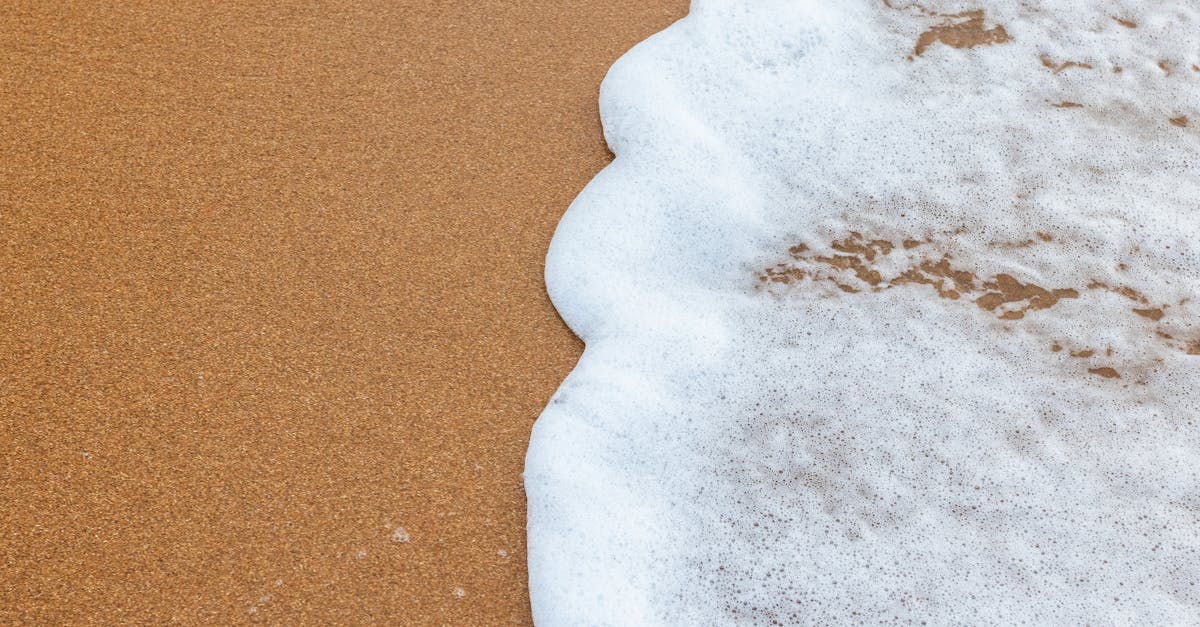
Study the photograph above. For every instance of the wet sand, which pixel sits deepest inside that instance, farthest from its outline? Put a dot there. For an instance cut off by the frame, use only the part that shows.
(272, 288)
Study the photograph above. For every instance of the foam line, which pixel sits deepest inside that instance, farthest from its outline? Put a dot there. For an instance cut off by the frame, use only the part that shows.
(891, 312)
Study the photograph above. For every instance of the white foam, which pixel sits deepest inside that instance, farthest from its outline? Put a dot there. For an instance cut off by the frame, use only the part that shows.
(843, 433)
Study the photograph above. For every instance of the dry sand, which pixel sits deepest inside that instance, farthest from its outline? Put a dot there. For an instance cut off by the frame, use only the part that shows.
(272, 287)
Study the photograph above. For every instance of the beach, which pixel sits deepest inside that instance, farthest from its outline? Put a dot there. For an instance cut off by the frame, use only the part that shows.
(274, 328)
(890, 313)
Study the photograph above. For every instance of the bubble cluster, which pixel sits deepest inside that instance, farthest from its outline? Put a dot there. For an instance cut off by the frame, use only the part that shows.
(892, 313)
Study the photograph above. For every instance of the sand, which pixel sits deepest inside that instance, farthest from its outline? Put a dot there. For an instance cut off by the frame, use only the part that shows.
(273, 330)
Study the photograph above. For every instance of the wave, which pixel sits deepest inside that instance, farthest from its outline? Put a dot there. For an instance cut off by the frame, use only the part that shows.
(891, 315)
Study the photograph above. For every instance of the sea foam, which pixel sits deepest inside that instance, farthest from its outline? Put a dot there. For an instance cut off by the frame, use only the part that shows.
(891, 316)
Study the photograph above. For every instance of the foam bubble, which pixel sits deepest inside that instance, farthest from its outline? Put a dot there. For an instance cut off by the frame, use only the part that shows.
(891, 315)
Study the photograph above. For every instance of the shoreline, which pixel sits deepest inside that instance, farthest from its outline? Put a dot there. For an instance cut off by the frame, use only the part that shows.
(279, 331)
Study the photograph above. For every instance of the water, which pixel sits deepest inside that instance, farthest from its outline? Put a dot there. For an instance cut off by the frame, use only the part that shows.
(891, 316)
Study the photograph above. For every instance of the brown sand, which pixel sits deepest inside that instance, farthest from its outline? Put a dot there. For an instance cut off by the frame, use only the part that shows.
(271, 286)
